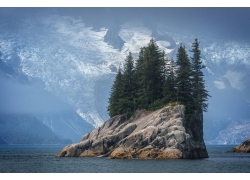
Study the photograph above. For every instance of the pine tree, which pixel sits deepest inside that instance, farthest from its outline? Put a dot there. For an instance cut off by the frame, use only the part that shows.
(154, 82)
(127, 99)
(115, 95)
(200, 94)
(122, 94)
(183, 79)
(128, 75)
(140, 80)
(183, 82)
(149, 75)
(169, 92)
(156, 69)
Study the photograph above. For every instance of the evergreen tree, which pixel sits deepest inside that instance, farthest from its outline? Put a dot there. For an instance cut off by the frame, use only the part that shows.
(200, 94)
(128, 75)
(183, 79)
(169, 92)
(154, 82)
(140, 80)
(156, 69)
(158, 100)
(115, 95)
(149, 75)
(183, 82)
(126, 102)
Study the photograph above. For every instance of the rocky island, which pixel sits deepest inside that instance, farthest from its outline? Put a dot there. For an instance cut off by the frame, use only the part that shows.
(244, 147)
(171, 124)
(160, 134)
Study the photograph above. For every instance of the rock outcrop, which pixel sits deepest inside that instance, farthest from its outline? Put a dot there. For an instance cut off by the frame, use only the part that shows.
(160, 134)
(243, 147)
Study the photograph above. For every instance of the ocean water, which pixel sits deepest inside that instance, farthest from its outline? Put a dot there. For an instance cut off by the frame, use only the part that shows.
(41, 159)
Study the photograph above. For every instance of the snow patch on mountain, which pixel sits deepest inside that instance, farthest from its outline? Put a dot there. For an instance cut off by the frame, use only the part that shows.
(6, 46)
(70, 57)
(235, 133)
(229, 52)
(136, 35)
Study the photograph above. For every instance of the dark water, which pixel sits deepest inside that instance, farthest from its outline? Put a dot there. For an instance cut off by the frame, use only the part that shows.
(41, 159)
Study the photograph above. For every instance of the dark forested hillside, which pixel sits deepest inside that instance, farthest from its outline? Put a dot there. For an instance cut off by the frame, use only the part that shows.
(26, 129)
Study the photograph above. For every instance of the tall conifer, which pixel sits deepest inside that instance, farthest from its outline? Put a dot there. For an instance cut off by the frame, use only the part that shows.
(169, 92)
(151, 84)
(115, 95)
(140, 80)
(149, 75)
(200, 94)
(183, 78)
(126, 101)
(183, 82)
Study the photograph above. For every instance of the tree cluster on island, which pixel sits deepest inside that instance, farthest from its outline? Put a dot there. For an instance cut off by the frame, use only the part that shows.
(153, 81)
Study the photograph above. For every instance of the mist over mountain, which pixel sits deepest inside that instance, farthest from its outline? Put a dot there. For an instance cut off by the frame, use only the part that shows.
(30, 114)
(21, 128)
(64, 60)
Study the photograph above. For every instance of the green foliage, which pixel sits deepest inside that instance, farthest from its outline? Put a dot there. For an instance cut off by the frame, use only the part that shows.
(149, 76)
(183, 78)
(159, 103)
(128, 80)
(200, 94)
(154, 82)
(115, 95)
(121, 99)
(183, 82)
(170, 89)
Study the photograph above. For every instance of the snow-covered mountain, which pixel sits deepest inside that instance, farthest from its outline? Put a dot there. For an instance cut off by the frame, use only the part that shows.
(76, 52)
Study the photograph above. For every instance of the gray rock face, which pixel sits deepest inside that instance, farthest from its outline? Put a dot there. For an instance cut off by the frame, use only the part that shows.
(160, 134)
(112, 38)
(243, 147)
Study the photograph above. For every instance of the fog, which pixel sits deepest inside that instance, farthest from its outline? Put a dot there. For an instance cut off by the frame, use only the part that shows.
(27, 98)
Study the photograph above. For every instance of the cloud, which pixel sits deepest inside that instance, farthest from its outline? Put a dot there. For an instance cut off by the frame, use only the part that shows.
(219, 84)
(234, 79)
